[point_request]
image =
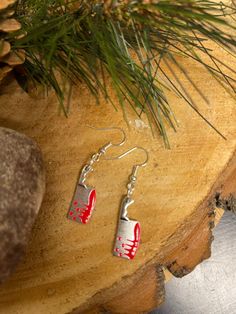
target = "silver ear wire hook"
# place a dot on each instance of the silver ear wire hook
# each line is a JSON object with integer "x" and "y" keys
{"x": 102, "y": 150}
{"x": 135, "y": 167}
{"x": 133, "y": 176}
{"x": 108, "y": 129}
{"x": 143, "y": 164}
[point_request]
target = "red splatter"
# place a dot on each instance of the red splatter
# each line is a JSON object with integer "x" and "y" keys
{"x": 87, "y": 211}
{"x": 131, "y": 247}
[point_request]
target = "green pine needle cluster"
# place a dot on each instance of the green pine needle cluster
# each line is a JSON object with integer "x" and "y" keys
{"x": 129, "y": 40}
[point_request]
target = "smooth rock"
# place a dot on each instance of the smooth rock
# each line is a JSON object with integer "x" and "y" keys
{"x": 22, "y": 186}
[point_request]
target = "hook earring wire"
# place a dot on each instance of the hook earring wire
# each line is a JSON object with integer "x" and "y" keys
{"x": 108, "y": 129}
{"x": 143, "y": 164}
{"x": 135, "y": 167}
{"x": 102, "y": 150}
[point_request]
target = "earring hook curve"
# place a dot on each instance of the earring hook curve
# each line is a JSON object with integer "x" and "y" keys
{"x": 111, "y": 128}
{"x": 143, "y": 164}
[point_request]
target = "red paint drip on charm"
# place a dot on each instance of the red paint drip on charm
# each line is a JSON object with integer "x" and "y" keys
{"x": 84, "y": 212}
{"x": 132, "y": 245}
{"x": 87, "y": 212}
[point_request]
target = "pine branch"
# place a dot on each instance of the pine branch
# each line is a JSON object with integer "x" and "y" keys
{"x": 79, "y": 38}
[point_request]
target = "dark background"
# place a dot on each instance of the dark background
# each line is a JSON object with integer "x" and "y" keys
{"x": 211, "y": 287}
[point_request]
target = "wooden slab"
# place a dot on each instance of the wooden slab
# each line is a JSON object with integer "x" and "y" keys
{"x": 69, "y": 267}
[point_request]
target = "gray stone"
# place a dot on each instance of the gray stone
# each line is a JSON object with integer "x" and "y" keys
{"x": 22, "y": 185}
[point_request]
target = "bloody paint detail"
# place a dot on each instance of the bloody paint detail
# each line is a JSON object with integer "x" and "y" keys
{"x": 82, "y": 205}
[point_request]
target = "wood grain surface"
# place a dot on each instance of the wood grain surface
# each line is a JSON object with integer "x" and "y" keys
{"x": 70, "y": 267}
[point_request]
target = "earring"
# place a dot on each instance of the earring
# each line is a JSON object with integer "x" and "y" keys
{"x": 84, "y": 199}
{"x": 128, "y": 231}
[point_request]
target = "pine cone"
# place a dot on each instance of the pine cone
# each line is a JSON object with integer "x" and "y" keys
{"x": 8, "y": 25}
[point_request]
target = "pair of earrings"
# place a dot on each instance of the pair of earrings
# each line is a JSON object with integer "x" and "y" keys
{"x": 83, "y": 203}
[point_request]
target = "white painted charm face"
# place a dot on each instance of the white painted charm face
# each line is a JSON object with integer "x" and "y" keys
{"x": 82, "y": 204}
{"x": 127, "y": 239}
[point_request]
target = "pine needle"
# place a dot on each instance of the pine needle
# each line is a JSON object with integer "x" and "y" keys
{"x": 78, "y": 39}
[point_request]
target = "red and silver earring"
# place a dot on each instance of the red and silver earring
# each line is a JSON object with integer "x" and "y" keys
{"x": 84, "y": 199}
{"x": 128, "y": 231}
